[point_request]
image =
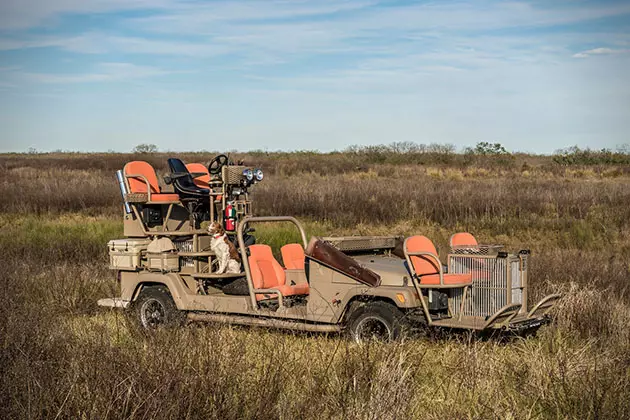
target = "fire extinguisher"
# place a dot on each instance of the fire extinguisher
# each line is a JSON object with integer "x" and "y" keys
{"x": 230, "y": 217}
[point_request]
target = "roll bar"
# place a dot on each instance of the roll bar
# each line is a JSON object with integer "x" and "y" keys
{"x": 243, "y": 251}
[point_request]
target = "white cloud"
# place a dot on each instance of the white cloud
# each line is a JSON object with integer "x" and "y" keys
{"x": 105, "y": 72}
{"x": 599, "y": 51}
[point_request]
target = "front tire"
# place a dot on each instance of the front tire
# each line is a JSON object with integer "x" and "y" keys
{"x": 155, "y": 308}
{"x": 375, "y": 321}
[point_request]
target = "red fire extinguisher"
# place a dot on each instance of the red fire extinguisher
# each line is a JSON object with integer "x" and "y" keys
{"x": 230, "y": 217}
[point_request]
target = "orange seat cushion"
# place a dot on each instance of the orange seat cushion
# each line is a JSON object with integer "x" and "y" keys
{"x": 201, "y": 181}
{"x": 463, "y": 239}
{"x": 164, "y": 198}
{"x": 267, "y": 273}
{"x": 139, "y": 185}
{"x": 449, "y": 279}
{"x": 422, "y": 265}
{"x": 293, "y": 256}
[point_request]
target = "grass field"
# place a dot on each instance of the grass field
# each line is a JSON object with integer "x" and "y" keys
{"x": 63, "y": 357}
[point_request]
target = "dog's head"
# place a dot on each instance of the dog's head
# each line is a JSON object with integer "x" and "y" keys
{"x": 215, "y": 228}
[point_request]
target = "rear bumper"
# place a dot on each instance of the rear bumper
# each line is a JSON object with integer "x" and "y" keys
{"x": 528, "y": 324}
{"x": 113, "y": 303}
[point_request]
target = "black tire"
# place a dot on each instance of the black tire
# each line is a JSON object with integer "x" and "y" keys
{"x": 155, "y": 308}
{"x": 379, "y": 321}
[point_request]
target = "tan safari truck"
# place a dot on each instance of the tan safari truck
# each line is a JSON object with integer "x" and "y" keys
{"x": 377, "y": 286}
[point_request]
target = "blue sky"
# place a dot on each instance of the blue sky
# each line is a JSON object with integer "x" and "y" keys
{"x": 97, "y": 75}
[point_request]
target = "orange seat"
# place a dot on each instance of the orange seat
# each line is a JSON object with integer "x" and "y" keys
{"x": 142, "y": 179}
{"x": 463, "y": 239}
{"x": 293, "y": 256}
{"x": 202, "y": 181}
{"x": 428, "y": 267}
{"x": 267, "y": 273}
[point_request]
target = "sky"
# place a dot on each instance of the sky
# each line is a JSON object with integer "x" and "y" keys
{"x": 100, "y": 75}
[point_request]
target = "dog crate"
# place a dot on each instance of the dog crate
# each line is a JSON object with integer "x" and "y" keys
{"x": 498, "y": 279}
{"x": 126, "y": 254}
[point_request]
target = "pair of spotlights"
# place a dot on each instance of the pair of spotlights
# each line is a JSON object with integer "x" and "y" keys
{"x": 256, "y": 174}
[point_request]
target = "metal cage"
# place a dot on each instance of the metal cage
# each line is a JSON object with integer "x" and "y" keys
{"x": 497, "y": 281}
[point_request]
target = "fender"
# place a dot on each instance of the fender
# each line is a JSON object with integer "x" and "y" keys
{"x": 131, "y": 284}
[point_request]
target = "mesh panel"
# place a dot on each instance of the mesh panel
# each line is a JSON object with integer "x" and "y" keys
{"x": 489, "y": 291}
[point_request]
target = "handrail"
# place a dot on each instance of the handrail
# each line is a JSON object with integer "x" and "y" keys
{"x": 146, "y": 181}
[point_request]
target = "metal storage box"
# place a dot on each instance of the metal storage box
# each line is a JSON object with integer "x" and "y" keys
{"x": 126, "y": 254}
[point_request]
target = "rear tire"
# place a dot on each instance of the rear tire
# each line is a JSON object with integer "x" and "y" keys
{"x": 375, "y": 321}
{"x": 155, "y": 308}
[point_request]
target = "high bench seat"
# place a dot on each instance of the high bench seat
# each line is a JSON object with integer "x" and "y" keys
{"x": 202, "y": 181}
{"x": 143, "y": 184}
{"x": 268, "y": 276}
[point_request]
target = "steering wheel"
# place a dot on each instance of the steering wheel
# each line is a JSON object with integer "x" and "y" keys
{"x": 218, "y": 162}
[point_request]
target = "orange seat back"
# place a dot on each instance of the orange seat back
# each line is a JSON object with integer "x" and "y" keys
{"x": 463, "y": 239}
{"x": 201, "y": 181}
{"x": 422, "y": 265}
{"x": 138, "y": 185}
{"x": 293, "y": 256}
{"x": 265, "y": 270}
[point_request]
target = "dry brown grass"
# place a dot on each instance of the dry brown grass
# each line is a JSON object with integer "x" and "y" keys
{"x": 63, "y": 357}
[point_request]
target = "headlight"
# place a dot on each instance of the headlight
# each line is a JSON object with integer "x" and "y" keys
{"x": 258, "y": 174}
{"x": 248, "y": 174}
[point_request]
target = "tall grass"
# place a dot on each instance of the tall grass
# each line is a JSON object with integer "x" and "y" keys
{"x": 61, "y": 356}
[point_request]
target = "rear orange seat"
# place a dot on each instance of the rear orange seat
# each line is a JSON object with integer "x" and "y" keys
{"x": 267, "y": 273}
{"x": 428, "y": 267}
{"x": 141, "y": 178}
{"x": 293, "y": 256}
{"x": 463, "y": 239}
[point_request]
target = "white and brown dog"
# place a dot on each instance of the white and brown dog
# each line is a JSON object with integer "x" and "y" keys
{"x": 224, "y": 249}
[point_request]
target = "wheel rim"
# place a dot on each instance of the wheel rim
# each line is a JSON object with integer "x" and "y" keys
{"x": 152, "y": 313}
{"x": 372, "y": 328}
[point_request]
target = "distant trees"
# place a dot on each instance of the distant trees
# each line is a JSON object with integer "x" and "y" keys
{"x": 576, "y": 156}
{"x": 145, "y": 148}
{"x": 484, "y": 148}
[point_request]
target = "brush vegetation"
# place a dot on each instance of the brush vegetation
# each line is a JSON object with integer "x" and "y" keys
{"x": 61, "y": 356}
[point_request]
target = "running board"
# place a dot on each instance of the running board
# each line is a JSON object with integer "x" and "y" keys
{"x": 263, "y": 322}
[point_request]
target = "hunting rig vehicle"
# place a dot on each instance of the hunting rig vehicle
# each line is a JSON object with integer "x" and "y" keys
{"x": 365, "y": 286}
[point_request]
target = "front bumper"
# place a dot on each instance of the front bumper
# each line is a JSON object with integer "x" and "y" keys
{"x": 113, "y": 303}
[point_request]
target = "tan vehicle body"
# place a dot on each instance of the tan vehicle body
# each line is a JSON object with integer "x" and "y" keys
{"x": 186, "y": 271}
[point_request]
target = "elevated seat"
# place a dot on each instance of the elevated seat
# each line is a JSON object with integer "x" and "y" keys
{"x": 143, "y": 184}
{"x": 202, "y": 181}
{"x": 268, "y": 276}
{"x": 184, "y": 184}
{"x": 293, "y": 256}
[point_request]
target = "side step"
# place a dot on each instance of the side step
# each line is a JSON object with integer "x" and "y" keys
{"x": 263, "y": 322}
